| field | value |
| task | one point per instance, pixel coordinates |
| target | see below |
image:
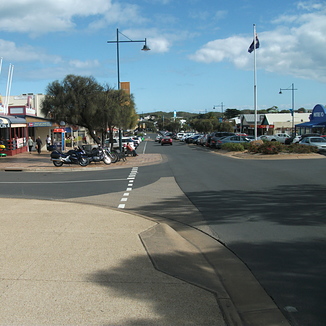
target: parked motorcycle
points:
(114, 156)
(74, 156)
(97, 154)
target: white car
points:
(281, 137)
(319, 142)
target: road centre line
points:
(63, 181)
(130, 179)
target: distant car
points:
(215, 136)
(192, 139)
(301, 137)
(158, 138)
(232, 139)
(115, 142)
(281, 137)
(202, 140)
(166, 141)
(319, 142)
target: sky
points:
(198, 62)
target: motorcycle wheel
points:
(57, 163)
(114, 157)
(107, 159)
(83, 161)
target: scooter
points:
(74, 156)
(97, 154)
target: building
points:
(316, 122)
(21, 118)
(271, 123)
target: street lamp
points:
(292, 111)
(117, 41)
(221, 106)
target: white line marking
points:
(128, 189)
(124, 199)
(126, 194)
(63, 181)
(122, 206)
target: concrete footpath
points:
(75, 264)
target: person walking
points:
(39, 144)
(30, 144)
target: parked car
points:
(293, 139)
(192, 139)
(319, 142)
(232, 139)
(280, 137)
(158, 138)
(202, 140)
(215, 136)
(301, 137)
(186, 135)
(166, 141)
(180, 135)
(124, 141)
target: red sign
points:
(58, 130)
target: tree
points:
(231, 113)
(116, 110)
(73, 101)
(82, 101)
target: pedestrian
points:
(30, 144)
(48, 140)
(39, 144)
(131, 149)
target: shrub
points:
(301, 149)
(254, 146)
(246, 145)
(233, 147)
(266, 147)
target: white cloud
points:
(298, 49)
(84, 64)
(37, 17)
(25, 53)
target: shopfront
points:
(13, 134)
(316, 123)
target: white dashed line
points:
(131, 178)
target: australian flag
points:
(252, 45)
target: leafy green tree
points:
(231, 113)
(74, 101)
(81, 101)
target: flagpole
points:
(255, 81)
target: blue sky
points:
(198, 56)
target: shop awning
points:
(16, 122)
(312, 124)
(4, 123)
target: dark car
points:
(216, 135)
(166, 141)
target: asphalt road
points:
(269, 213)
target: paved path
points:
(35, 162)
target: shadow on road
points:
(281, 239)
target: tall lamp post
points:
(292, 111)
(117, 42)
(221, 106)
